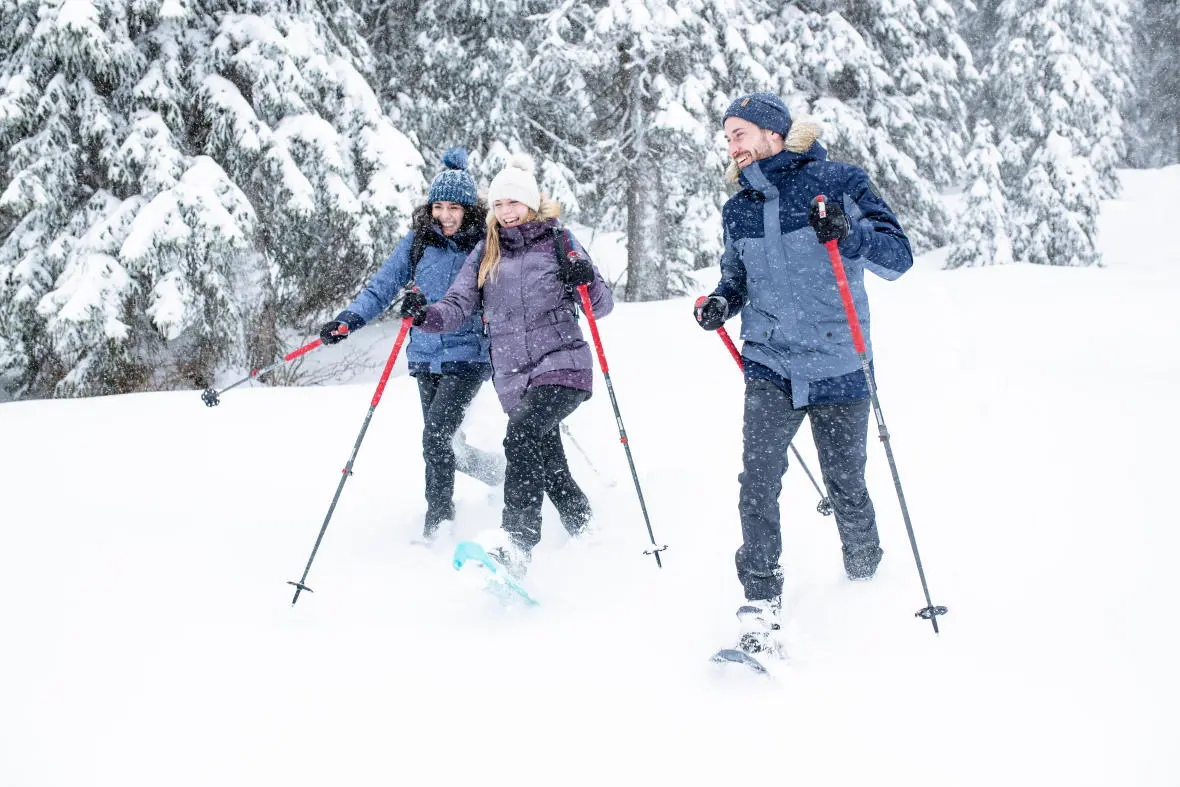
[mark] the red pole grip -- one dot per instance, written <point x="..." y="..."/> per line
<point x="309" y="346"/>
<point x="728" y="342"/>
<point x="737" y="356"/>
<point x="584" y="291"/>
<point x="397" y="346"/>
<point x="858" y="339"/>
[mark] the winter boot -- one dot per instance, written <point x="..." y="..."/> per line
<point x="435" y="516"/>
<point x="761" y="629"/>
<point x="501" y="548"/>
<point x="862" y="564"/>
<point x="577" y="521"/>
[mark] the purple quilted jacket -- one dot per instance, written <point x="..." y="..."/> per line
<point x="531" y="317"/>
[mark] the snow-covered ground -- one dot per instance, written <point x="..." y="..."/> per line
<point x="145" y="541"/>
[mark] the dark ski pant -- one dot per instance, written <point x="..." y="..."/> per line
<point x="537" y="465"/>
<point x="445" y="399"/>
<point x="840" y="432"/>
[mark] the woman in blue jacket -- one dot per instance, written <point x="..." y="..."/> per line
<point x="449" y="367"/>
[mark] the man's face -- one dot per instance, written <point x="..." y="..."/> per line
<point x="749" y="143"/>
<point x="449" y="216"/>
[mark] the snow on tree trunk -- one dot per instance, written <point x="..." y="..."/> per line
<point x="647" y="278"/>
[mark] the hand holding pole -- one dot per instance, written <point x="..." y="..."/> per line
<point x="930" y="611"/>
<point x="211" y="397"/>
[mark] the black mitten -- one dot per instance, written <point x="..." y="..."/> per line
<point x="832" y="226"/>
<point x="334" y="331"/>
<point x="711" y="313"/>
<point x="575" y="270"/>
<point x="414" y="306"/>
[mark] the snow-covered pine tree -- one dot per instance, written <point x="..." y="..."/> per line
<point x="932" y="73"/>
<point x="1155" y="117"/>
<point x="640" y="86"/>
<point x="1101" y="32"/>
<point x="180" y="176"/>
<point x="1045" y="99"/>
<point x="282" y="104"/>
<point x="461" y="74"/>
<point x="63" y="308"/>
<point x="982" y="237"/>
<point x="1064" y="190"/>
<point x="889" y="84"/>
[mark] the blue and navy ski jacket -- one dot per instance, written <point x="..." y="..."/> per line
<point x="465" y="351"/>
<point x="779" y="277"/>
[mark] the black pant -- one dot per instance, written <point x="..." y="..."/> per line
<point x="840" y="432"/>
<point x="537" y="465"/>
<point x="445" y="398"/>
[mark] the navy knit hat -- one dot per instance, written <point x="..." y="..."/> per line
<point x="453" y="184"/>
<point x="764" y="110"/>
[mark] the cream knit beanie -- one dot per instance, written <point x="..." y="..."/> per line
<point x="516" y="182"/>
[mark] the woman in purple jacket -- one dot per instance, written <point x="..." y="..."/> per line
<point x="542" y="368"/>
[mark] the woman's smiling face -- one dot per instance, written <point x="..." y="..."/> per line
<point x="449" y="216"/>
<point x="509" y="212"/>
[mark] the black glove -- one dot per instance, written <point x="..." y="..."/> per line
<point x="337" y="330"/>
<point x="414" y="306"/>
<point x="334" y="331"/>
<point x="712" y="312"/>
<point x="575" y="270"/>
<point x="834" y="226"/>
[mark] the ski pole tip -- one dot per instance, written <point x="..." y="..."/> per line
<point x="209" y="397"/>
<point x="299" y="588"/>
<point x="931" y="613"/>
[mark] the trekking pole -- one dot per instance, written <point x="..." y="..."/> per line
<point x="210" y="396"/>
<point x="929" y="612"/>
<point x="344" y="474"/>
<point x="565" y="430"/>
<point x="824" y="506"/>
<point x="588" y="309"/>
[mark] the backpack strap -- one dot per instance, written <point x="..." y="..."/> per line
<point x="481" y="248"/>
<point x="563" y="248"/>
<point x="417" y="249"/>
<point x="563" y="245"/>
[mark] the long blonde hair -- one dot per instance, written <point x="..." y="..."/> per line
<point x="548" y="209"/>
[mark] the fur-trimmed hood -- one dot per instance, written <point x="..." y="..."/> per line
<point x="804" y="133"/>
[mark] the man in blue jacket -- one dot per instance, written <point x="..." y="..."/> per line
<point x="798" y="355"/>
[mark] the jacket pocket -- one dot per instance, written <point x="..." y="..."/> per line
<point x="757" y="326"/>
<point x="835" y="333"/>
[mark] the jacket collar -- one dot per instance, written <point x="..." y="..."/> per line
<point x="761" y="174"/>
<point x="524" y="234"/>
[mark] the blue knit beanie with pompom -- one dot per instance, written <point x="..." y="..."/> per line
<point x="454" y="184"/>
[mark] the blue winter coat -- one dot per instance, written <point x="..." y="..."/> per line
<point x="442" y="259"/>
<point x="777" y="274"/>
